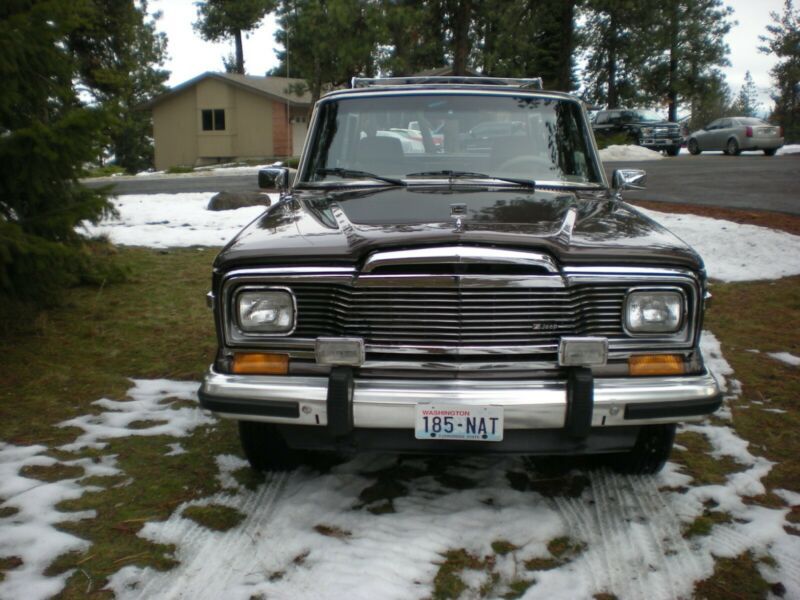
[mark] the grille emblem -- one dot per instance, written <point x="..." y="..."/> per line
<point x="544" y="326"/>
<point x="456" y="212"/>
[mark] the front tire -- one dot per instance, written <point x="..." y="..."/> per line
<point x="732" y="147"/>
<point x="649" y="454"/>
<point x="265" y="448"/>
<point x="694" y="147"/>
<point x="673" y="151"/>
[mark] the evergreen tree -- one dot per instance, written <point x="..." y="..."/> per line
<point x="413" y="39"/>
<point x="119" y="52"/>
<point x="528" y="39"/>
<point x="46" y="135"/>
<point x="747" y="101"/>
<point x="784" y="42"/>
<point x="710" y="100"/>
<point x="616" y="38"/>
<point x="315" y="48"/>
<point x="221" y="19"/>
<point x="687" y="43"/>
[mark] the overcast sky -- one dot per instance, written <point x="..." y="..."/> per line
<point x="189" y="55"/>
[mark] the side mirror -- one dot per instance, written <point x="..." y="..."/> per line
<point x="274" y="178"/>
<point x="628" y="179"/>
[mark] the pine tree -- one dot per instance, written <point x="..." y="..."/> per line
<point x="119" y="53"/>
<point x="315" y="48"/>
<point x="784" y="42"/>
<point x="46" y="135"/>
<point x="710" y="100"/>
<point x="747" y="101"/>
<point x="688" y="43"/>
<point x="221" y="19"/>
<point x="616" y="38"/>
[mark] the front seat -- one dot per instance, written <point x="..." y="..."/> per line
<point x="380" y="155"/>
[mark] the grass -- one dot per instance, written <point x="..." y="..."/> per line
<point x="55" y="363"/>
<point x="176" y="169"/>
<point x="214" y="516"/>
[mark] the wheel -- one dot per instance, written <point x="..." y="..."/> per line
<point x="770" y="151"/>
<point x="673" y="150"/>
<point x="732" y="147"/>
<point x="649" y="454"/>
<point x="694" y="147"/>
<point x="265" y="449"/>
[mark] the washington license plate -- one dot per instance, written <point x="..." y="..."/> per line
<point x="458" y="422"/>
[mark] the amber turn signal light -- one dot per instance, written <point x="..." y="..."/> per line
<point x="258" y="363"/>
<point x="656" y="364"/>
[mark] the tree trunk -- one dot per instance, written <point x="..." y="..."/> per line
<point x="463" y="12"/>
<point x="612" y="100"/>
<point x="672" y="90"/>
<point x="237" y="36"/>
<point x="564" y="81"/>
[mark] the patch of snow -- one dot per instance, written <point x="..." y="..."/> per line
<point x="733" y="251"/>
<point x="628" y="152"/>
<point x="31" y="533"/>
<point x="789" y="149"/>
<point x="150" y="406"/>
<point x="777" y="411"/>
<point x="175" y="450"/>
<point x="172" y="220"/>
<point x="786" y="357"/>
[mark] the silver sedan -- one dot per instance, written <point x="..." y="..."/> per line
<point x="734" y="134"/>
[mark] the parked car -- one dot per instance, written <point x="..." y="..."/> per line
<point x="734" y="134"/>
<point x="643" y="127"/>
<point x="497" y="301"/>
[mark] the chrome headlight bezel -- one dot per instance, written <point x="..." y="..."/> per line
<point x="241" y="331"/>
<point x="675" y="293"/>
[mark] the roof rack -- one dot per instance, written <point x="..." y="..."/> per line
<point x="534" y="83"/>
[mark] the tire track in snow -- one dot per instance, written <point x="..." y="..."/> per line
<point x="192" y="579"/>
<point x="635" y="547"/>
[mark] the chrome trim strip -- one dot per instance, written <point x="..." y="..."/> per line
<point x="459" y="255"/>
<point x="460" y="281"/>
<point x="389" y="403"/>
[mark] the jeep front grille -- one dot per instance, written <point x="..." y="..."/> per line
<point x="454" y="317"/>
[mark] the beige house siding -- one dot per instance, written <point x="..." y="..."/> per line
<point x="175" y="129"/>
<point x="213" y="146"/>
<point x="254" y="125"/>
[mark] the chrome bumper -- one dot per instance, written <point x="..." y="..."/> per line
<point x="389" y="403"/>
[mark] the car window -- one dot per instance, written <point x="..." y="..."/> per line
<point x="602" y="118"/>
<point x="725" y="124"/>
<point x="751" y="121"/>
<point x="713" y="125"/>
<point x="519" y="136"/>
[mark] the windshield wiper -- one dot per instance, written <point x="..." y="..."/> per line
<point x="470" y="175"/>
<point x="354" y="173"/>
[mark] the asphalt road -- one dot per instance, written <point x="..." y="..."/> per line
<point x="748" y="181"/>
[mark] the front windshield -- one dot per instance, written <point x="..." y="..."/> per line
<point x="428" y="135"/>
<point x="642" y="116"/>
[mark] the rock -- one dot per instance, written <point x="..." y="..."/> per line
<point x="234" y="200"/>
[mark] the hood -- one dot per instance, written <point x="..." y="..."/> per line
<point x="343" y="226"/>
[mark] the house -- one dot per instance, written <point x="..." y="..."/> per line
<point x="220" y="117"/>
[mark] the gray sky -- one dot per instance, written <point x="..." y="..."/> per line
<point x="189" y="55"/>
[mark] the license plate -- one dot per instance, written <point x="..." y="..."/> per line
<point x="457" y="422"/>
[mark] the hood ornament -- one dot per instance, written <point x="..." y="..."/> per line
<point x="457" y="211"/>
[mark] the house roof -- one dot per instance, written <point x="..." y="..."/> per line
<point x="276" y="88"/>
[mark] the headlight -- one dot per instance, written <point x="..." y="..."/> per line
<point x="647" y="131"/>
<point x="654" y="311"/>
<point x="270" y="311"/>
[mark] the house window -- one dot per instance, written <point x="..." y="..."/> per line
<point x="213" y="119"/>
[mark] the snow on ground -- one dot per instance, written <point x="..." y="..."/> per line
<point x="628" y="152"/>
<point x="734" y="251"/>
<point x="28" y="530"/>
<point x="632" y="527"/>
<point x="312" y="535"/>
<point x="172" y="220"/>
<point x="786" y="357"/>
<point x="731" y="251"/>
<point x="789" y="149"/>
